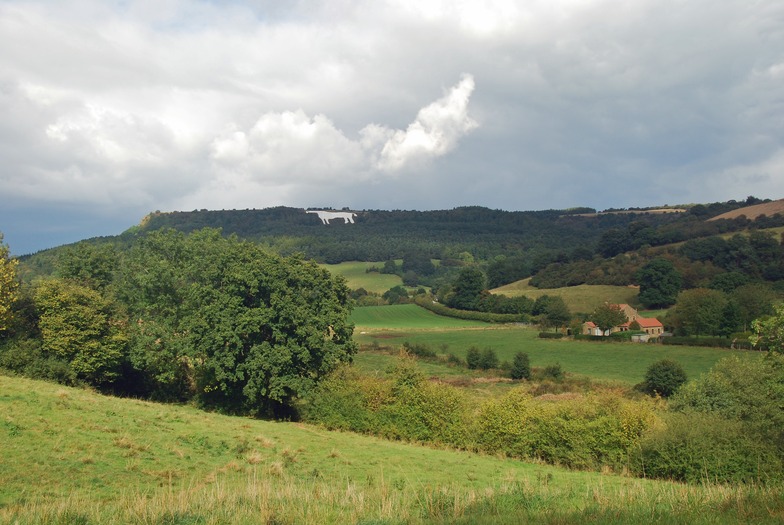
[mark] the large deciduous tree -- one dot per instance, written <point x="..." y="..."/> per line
<point x="467" y="289"/>
<point x="769" y="331"/>
<point x="659" y="283"/>
<point x="92" y="265"/>
<point x="754" y="300"/>
<point x="237" y="327"/>
<point x="9" y="285"/>
<point x="607" y="316"/>
<point x="552" y="311"/>
<point x="699" y="311"/>
<point x="77" y="327"/>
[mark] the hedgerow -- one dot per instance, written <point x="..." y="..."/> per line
<point x="469" y="315"/>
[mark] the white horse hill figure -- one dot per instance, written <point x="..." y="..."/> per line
<point x="326" y="216"/>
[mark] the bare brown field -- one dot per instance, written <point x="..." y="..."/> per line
<point x="752" y="212"/>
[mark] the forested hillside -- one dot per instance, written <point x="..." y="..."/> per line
<point x="556" y="247"/>
<point x="379" y="235"/>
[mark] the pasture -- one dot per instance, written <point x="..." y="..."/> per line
<point x="405" y="317"/>
<point x="608" y="361"/>
<point x="357" y="276"/>
<point x="584" y="298"/>
<point x="71" y="456"/>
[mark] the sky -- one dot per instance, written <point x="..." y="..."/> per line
<point x="110" y="110"/>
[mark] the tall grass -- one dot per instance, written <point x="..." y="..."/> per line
<point x="70" y="456"/>
<point x="256" y="497"/>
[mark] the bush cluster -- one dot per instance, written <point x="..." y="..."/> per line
<point x="578" y="431"/>
<point x="724" y="427"/>
<point x="402" y="405"/>
<point x="698" y="447"/>
<point x="551" y="335"/>
<point x="477" y="359"/>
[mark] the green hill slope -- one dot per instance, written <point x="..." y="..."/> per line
<point x="584" y="298"/>
<point x="72" y="456"/>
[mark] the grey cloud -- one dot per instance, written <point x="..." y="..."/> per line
<point x="141" y="105"/>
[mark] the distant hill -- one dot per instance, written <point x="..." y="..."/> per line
<point x="753" y="212"/>
<point x="379" y="235"/>
<point x="556" y="247"/>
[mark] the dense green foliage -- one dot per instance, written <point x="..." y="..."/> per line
<point x="9" y="285"/>
<point x="705" y="448"/>
<point x="727" y="425"/>
<point x="521" y="366"/>
<point x="659" y="284"/>
<point x="472" y="315"/>
<point x="749" y="391"/>
<point x="589" y="431"/>
<point x="467" y="289"/>
<point x="769" y="332"/>
<point x="607" y="316"/>
<point x="380" y="235"/>
<point x="699" y="311"/>
<point x="551" y="311"/>
<point x="78" y="326"/>
<point x="582" y="432"/>
<point x="197" y="317"/>
<point x="663" y="378"/>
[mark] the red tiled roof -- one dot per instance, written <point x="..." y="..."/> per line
<point x="649" y="322"/>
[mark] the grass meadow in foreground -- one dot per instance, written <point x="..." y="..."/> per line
<point x="71" y="456"/>
<point x="613" y="361"/>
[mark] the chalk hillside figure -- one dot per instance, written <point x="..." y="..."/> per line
<point x="326" y="216"/>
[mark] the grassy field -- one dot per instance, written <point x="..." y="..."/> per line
<point x="71" y="456"/>
<point x="405" y="317"/>
<point x="357" y="276"/>
<point x="583" y="298"/>
<point x="624" y="362"/>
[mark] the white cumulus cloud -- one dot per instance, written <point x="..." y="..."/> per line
<point x="435" y="132"/>
<point x="283" y="151"/>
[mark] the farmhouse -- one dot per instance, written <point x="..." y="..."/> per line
<point x="650" y="325"/>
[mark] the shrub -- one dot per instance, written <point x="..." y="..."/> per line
<point x="26" y="357"/>
<point x="579" y="432"/>
<point x="748" y="390"/>
<point x="693" y="447"/>
<point x="346" y="400"/>
<point x="553" y="372"/>
<point x="587" y="337"/>
<point x="551" y="335"/>
<point x="488" y="359"/>
<point x="521" y="366"/>
<point x="473" y="358"/>
<point x="419" y="350"/>
<point x="625" y="335"/>
<point x="426" y="411"/>
<point x="454" y="360"/>
<point x="663" y="378"/>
